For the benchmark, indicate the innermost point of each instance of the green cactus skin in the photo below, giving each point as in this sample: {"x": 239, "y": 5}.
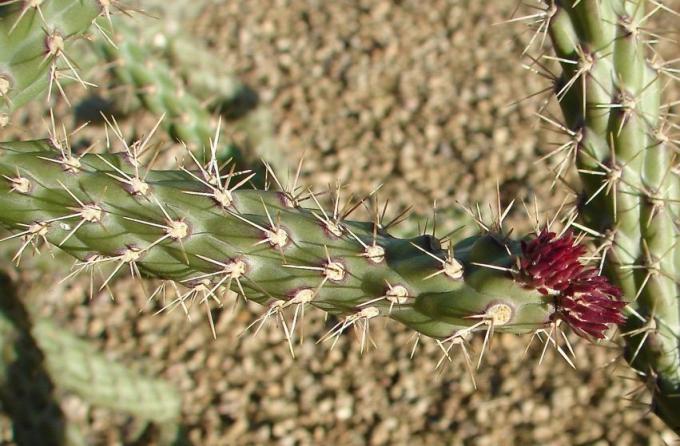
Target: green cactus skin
{"x": 173, "y": 75}
{"x": 202, "y": 72}
{"x": 34, "y": 37}
{"x": 610, "y": 95}
{"x": 188, "y": 228}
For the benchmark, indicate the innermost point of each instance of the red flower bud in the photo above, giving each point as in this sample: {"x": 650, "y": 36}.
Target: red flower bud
{"x": 583, "y": 298}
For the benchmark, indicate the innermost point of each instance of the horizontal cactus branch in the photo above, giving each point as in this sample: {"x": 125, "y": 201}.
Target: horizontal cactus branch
{"x": 198, "y": 229}
{"x": 34, "y": 37}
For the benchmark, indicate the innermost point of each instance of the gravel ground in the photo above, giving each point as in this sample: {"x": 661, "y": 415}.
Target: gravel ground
{"x": 419, "y": 99}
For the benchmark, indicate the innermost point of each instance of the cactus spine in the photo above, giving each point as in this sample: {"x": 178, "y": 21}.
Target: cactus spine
{"x": 610, "y": 95}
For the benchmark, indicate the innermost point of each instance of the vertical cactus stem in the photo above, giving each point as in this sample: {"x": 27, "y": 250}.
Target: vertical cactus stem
{"x": 583, "y": 64}
{"x": 628, "y": 54}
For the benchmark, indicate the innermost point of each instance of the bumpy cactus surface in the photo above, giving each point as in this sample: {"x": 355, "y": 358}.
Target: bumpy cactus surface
{"x": 197, "y": 228}
{"x": 34, "y": 37}
{"x": 610, "y": 94}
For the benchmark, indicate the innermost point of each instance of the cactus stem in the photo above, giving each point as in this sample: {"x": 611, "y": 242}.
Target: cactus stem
{"x": 334, "y": 271}
{"x": 648, "y": 327}
{"x": 499, "y": 313}
{"x": 451, "y": 267}
{"x": 395, "y": 295}
{"x": 128, "y": 256}
{"x": 35, "y": 234}
{"x": 28, "y": 4}
{"x": 233, "y": 270}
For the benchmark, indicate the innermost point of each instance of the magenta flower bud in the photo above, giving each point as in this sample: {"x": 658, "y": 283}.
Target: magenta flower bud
{"x": 583, "y": 298}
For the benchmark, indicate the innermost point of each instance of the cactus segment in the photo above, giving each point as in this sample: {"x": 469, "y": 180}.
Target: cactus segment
{"x": 610, "y": 95}
{"x": 34, "y": 37}
{"x": 196, "y": 228}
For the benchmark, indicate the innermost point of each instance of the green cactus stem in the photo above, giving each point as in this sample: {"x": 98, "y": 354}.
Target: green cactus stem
{"x": 35, "y": 36}
{"x": 134, "y": 64}
{"x": 610, "y": 94}
{"x": 75, "y": 366}
{"x": 197, "y": 228}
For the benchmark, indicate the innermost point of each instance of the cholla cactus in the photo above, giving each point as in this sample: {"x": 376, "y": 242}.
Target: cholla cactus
{"x": 609, "y": 91}
{"x": 195, "y": 228}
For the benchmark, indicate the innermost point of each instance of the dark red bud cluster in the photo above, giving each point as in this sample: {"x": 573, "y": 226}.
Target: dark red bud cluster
{"x": 584, "y": 299}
